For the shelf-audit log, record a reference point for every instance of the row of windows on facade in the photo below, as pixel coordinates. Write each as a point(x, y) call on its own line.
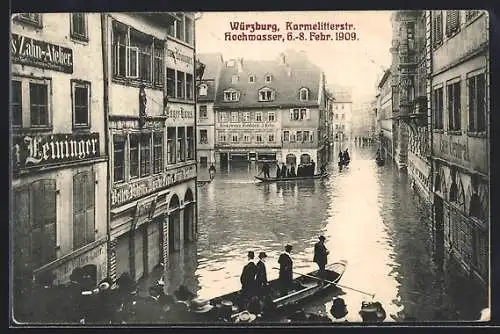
point(453, 21)
point(140, 154)
point(35, 217)
point(264, 95)
point(31, 107)
point(288, 136)
point(78, 23)
point(476, 105)
point(268, 78)
point(140, 57)
point(296, 114)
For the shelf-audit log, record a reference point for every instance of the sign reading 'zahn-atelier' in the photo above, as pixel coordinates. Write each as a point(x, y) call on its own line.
point(42, 150)
point(28, 51)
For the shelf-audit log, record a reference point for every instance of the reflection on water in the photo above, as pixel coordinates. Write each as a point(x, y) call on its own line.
point(369, 217)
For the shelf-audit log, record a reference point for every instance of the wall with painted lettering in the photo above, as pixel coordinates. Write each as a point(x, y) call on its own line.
point(86, 62)
point(179, 114)
point(180, 57)
point(64, 201)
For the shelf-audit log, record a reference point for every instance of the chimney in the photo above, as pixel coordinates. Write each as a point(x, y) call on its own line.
point(282, 59)
point(240, 65)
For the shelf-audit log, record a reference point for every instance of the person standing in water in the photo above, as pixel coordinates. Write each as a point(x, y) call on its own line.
point(211, 171)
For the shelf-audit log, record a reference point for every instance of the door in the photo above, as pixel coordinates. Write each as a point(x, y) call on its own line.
point(153, 252)
point(122, 255)
point(438, 228)
point(139, 253)
point(174, 231)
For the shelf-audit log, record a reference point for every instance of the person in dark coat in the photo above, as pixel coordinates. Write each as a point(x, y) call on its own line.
point(292, 171)
point(211, 171)
point(286, 270)
point(283, 170)
point(247, 279)
point(346, 157)
point(265, 170)
point(320, 256)
point(299, 170)
point(313, 167)
point(261, 276)
point(278, 171)
point(341, 158)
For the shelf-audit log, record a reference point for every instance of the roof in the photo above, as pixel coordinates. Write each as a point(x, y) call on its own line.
point(303, 73)
point(212, 62)
point(341, 93)
point(384, 78)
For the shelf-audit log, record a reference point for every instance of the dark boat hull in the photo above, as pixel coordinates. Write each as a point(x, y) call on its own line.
point(304, 287)
point(291, 179)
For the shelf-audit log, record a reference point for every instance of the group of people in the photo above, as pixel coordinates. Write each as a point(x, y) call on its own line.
point(344, 158)
point(285, 172)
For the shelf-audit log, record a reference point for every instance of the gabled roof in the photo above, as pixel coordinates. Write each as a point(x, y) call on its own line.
point(302, 74)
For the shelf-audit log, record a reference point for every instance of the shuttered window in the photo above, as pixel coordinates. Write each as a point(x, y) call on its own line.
point(83, 209)
point(34, 219)
point(437, 28)
point(452, 21)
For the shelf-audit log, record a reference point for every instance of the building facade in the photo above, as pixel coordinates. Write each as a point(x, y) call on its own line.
point(384, 115)
point(342, 113)
point(205, 122)
point(149, 70)
point(460, 143)
point(58, 148)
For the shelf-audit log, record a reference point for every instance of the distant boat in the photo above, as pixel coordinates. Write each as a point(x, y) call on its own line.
point(380, 161)
point(291, 178)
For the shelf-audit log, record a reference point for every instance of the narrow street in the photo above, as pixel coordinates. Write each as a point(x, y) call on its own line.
point(369, 216)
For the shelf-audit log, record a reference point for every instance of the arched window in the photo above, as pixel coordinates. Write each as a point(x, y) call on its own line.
point(203, 90)
point(304, 94)
point(174, 202)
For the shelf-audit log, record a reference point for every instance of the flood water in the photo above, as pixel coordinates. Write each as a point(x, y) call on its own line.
point(369, 216)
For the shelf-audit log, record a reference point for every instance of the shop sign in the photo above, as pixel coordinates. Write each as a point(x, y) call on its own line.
point(173, 112)
point(41, 150)
point(257, 125)
point(136, 189)
point(178, 56)
point(28, 51)
point(144, 210)
point(96, 256)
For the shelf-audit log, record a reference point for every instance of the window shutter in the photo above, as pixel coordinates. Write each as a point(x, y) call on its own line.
point(308, 113)
point(90, 207)
point(22, 228)
point(44, 192)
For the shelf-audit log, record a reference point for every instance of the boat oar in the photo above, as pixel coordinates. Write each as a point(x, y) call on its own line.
point(331, 282)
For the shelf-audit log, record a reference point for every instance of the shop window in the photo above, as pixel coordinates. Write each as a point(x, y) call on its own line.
point(203, 137)
point(34, 221)
point(189, 86)
point(81, 103)
point(83, 209)
point(437, 108)
point(190, 142)
point(181, 144)
point(16, 104)
point(118, 158)
point(157, 152)
point(171, 154)
point(181, 81)
point(477, 103)
point(203, 111)
point(454, 112)
point(145, 154)
point(134, 155)
point(79, 26)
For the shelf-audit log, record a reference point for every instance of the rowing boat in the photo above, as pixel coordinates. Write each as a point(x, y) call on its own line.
point(303, 287)
point(290, 179)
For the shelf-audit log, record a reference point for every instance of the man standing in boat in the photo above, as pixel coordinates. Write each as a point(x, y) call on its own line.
point(265, 170)
point(286, 269)
point(261, 276)
point(320, 256)
point(247, 279)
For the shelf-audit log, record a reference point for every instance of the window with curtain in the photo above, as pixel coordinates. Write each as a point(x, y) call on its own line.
point(145, 154)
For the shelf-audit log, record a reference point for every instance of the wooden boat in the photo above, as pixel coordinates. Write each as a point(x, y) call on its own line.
point(304, 286)
point(380, 162)
point(291, 179)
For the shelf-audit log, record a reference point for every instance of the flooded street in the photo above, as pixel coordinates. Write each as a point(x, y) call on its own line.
point(369, 216)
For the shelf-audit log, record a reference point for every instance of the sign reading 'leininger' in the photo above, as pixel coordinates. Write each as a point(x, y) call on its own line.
point(28, 51)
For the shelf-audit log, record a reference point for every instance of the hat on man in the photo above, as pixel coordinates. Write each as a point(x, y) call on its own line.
point(251, 254)
point(321, 237)
point(262, 255)
point(245, 317)
point(288, 247)
point(199, 305)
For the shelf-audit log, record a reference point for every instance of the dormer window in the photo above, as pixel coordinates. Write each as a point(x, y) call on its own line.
point(203, 90)
point(269, 78)
point(266, 94)
point(251, 78)
point(231, 95)
point(234, 79)
point(304, 94)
